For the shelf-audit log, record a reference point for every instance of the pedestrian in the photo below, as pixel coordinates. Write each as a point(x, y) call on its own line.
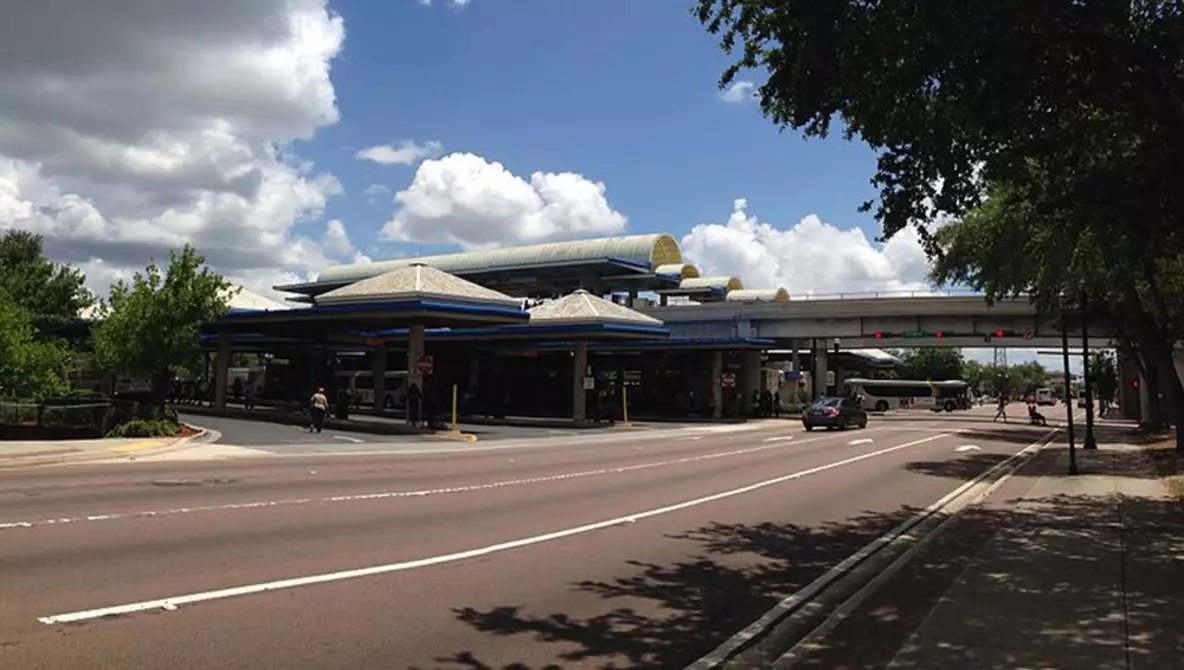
point(1001, 411)
point(318, 406)
point(249, 398)
point(777, 404)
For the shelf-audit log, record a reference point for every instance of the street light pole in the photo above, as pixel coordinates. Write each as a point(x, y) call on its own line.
point(1068, 395)
point(1090, 442)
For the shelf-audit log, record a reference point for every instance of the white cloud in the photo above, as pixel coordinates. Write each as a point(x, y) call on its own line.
point(738, 92)
point(406, 153)
point(376, 191)
point(811, 257)
point(134, 128)
point(464, 199)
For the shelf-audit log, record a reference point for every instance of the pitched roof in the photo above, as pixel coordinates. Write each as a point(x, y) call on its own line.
point(583, 307)
point(418, 282)
point(242, 299)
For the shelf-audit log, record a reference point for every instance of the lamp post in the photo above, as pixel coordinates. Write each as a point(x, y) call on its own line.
point(1089, 442)
point(1068, 394)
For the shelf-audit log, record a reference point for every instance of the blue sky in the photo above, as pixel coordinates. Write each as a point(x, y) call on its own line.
point(621, 92)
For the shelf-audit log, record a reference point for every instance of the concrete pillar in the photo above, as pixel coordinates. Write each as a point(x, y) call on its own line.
point(579, 371)
point(818, 374)
point(221, 369)
point(474, 373)
point(378, 372)
point(663, 299)
point(415, 350)
point(717, 389)
point(750, 375)
point(797, 357)
point(1129, 383)
point(632, 295)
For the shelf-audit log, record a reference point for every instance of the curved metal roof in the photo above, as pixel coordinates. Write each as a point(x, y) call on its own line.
point(758, 295)
point(708, 283)
point(651, 250)
point(680, 270)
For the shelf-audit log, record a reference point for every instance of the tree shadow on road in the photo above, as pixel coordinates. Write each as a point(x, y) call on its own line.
point(1050, 579)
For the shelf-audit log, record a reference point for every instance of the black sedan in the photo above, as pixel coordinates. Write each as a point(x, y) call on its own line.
point(831, 413)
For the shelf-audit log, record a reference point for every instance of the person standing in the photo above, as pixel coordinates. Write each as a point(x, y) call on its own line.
point(1001, 411)
point(318, 406)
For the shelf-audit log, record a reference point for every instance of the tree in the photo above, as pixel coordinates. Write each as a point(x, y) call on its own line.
point(931, 363)
point(30, 367)
point(52, 292)
point(1068, 115)
point(152, 326)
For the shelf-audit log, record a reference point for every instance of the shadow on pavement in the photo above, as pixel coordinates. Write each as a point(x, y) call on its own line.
point(1049, 582)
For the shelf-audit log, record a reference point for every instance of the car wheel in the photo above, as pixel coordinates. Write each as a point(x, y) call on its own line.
point(863, 424)
point(809, 428)
point(843, 424)
point(949, 406)
point(882, 406)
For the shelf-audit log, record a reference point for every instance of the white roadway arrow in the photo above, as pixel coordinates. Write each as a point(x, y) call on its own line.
point(865, 440)
point(968, 447)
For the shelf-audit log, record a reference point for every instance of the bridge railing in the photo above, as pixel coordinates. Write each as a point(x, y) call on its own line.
point(863, 295)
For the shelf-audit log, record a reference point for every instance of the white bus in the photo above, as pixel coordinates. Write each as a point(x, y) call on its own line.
point(361, 387)
point(881, 395)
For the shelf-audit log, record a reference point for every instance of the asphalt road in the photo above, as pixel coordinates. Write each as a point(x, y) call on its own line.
point(285, 439)
point(629, 553)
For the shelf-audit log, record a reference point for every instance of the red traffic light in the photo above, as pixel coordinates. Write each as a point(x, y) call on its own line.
point(1135, 383)
point(879, 335)
point(998, 333)
point(937, 334)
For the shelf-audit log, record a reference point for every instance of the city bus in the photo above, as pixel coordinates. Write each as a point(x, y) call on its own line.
point(360, 384)
point(880, 395)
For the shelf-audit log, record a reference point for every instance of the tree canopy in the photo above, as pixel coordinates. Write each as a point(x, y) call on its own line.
point(931, 363)
point(51, 292)
point(152, 326)
point(30, 367)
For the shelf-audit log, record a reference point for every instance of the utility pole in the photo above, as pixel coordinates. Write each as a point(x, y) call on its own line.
point(1068, 394)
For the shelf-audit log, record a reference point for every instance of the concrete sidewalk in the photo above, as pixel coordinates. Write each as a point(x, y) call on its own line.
point(22, 453)
point(1084, 572)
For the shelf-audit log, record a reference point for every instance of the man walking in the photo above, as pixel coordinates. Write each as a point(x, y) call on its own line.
point(318, 406)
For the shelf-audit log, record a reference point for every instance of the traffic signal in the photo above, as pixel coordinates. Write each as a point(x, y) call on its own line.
point(998, 333)
point(937, 334)
point(879, 335)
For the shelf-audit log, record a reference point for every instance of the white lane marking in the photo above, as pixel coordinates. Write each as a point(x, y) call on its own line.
point(735, 428)
point(309, 580)
point(866, 440)
point(348, 439)
point(389, 494)
point(782, 438)
point(968, 447)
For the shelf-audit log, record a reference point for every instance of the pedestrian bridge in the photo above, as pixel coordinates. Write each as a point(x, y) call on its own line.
point(918, 319)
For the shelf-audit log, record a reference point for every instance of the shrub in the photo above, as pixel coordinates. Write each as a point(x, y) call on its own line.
point(146, 428)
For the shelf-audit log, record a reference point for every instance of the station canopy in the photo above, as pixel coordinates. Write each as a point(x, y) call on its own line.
point(758, 295)
point(705, 289)
point(409, 295)
point(552, 269)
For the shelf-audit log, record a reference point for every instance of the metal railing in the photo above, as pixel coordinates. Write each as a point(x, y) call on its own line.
point(918, 293)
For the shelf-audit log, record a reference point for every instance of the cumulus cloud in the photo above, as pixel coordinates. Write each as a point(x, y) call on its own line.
point(406, 153)
point(134, 128)
point(738, 92)
point(466, 200)
point(810, 257)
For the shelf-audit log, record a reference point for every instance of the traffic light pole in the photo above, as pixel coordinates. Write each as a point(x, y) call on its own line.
point(1068, 396)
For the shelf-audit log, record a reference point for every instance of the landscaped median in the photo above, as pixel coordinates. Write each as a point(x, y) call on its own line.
point(1169, 462)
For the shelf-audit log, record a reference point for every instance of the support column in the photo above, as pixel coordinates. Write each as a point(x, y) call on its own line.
point(632, 295)
point(415, 350)
point(579, 408)
point(818, 374)
point(1090, 441)
point(378, 373)
point(797, 357)
point(750, 376)
point(663, 299)
point(716, 386)
point(221, 370)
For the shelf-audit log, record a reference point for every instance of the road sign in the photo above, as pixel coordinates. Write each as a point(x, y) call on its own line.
point(424, 365)
point(727, 380)
point(589, 383)
point(914, 333)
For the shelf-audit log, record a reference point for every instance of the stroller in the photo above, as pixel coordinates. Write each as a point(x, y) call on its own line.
point(1036, 418)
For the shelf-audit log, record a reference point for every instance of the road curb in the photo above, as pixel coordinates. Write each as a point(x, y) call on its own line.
point(792, 623)
point(68, 458)
point(454, 436)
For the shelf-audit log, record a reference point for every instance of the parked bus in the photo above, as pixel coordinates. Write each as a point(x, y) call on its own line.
point(883, 394)
point(360, 384)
